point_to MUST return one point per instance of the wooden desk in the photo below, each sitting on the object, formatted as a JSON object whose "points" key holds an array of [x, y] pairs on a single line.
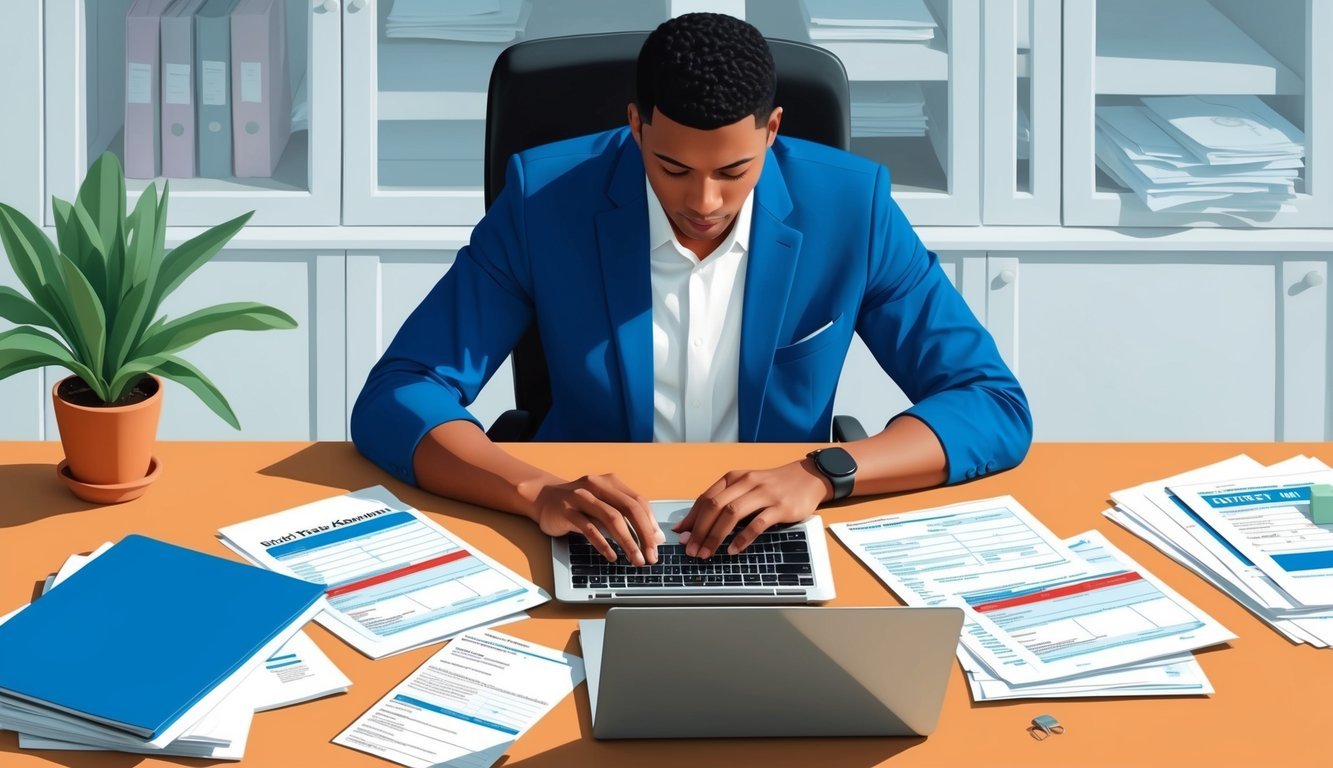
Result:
{"points": [[1271, 706]]}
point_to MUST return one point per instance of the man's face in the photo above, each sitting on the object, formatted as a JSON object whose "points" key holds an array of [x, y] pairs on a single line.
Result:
{"points": [[702, 177]]}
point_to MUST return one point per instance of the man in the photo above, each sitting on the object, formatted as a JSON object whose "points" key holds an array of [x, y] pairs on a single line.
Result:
{"points": [[694, 277]]}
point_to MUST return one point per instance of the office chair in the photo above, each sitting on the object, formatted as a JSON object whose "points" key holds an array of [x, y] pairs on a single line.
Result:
{"points": [[558, 88]]}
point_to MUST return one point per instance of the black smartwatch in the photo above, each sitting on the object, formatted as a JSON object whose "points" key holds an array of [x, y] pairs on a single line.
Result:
{"points": [[839, 467]]}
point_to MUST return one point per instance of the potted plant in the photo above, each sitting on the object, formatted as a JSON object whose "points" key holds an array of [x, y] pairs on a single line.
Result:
{"points": [[92, 308]]}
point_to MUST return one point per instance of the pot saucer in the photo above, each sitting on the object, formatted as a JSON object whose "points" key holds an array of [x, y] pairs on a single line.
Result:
{"points": [[109, 494]]}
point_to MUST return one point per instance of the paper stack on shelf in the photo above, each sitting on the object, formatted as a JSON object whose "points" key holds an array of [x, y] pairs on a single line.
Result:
{"points": [[1210, 154], [395, 579], [1043, 617], [472, 21], [1245, 529], [888, 109], [882, 20], [167, 676]]}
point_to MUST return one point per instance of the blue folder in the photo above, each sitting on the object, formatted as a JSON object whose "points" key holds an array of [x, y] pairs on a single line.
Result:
{"points": [[141, 633]]}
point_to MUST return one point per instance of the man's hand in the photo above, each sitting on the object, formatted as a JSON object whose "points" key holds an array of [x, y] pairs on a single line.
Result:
{"points": [[786, 494], [597, 505]]}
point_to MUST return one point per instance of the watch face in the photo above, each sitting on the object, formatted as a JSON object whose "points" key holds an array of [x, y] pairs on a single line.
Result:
{"points": [[836, 461]]}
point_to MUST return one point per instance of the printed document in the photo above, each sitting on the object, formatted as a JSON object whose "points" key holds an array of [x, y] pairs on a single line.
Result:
{"points": [[1267, 521], [395, 579], [1035, 610], [1169, 676], [467, 703]]}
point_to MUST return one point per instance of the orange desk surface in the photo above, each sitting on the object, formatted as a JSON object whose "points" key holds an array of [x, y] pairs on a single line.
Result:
{"points": [[1274, 700]]}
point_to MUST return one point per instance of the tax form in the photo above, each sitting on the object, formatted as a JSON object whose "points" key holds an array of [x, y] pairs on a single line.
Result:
{"points": [[1035, 610], [395, 579], [467, 703], [1266, 520]]}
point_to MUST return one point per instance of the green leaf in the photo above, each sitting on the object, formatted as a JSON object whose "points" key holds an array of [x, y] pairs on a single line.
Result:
{"points": [[88, 317], [187, 330], [187, 257], [102, 195], [23, 349], [94, 260], [140, 236], [128, 327], [20, 310], [183, 373], [31, 252], [37, 264]]}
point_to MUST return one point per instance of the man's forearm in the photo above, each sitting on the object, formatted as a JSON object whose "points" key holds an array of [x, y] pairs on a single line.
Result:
{"points": [[458, 461], [905, 456]]}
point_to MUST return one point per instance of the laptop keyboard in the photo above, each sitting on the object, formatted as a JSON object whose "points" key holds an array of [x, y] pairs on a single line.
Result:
{"points": [[775, 559]]}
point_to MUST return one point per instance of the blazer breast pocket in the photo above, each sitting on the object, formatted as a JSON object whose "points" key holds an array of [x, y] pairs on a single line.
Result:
{"points": [[812, 342]]}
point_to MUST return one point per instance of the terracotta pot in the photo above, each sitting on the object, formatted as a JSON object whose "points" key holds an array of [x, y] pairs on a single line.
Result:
{"points": [[111, 445]]}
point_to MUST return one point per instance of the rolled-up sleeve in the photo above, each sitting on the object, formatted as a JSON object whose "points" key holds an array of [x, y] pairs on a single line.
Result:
{"points": [[928, 340], [452, 342]]}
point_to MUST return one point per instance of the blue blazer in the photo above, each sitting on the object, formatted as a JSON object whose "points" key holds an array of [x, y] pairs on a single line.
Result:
{"points": [[566, 244]]}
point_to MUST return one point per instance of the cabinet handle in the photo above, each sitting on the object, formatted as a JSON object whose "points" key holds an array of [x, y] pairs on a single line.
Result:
{"points": [[326, 6], [1005, 277], [1313, 279], [355, 5]]}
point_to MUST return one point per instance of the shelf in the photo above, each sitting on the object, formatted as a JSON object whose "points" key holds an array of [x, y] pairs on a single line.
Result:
{"points": [[431, 155], [888, 61], [1151, 47], [943, 239]]}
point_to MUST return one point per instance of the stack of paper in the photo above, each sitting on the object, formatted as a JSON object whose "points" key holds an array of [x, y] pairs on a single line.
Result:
{"points": [[395, 580], [215, 724], [1043, 617], [888, 109], [1245, 529], [1210, 154], [473, 21], [893, 20]]}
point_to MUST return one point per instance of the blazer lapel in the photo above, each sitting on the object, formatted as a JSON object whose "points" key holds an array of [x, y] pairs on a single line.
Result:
{"points": [[622, 244], [774, 248]]}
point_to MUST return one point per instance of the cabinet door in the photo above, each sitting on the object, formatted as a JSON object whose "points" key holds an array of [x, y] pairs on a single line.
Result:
{"points": [[282, 384], [20, 187], [864, 390], [1021, 89], [416, 96], [1216, 77], [383, 287], [915, 87], [97, 73], [1146, 346]]}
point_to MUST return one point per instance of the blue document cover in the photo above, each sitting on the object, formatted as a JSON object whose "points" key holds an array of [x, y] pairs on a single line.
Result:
{"points": [[143, 632]]}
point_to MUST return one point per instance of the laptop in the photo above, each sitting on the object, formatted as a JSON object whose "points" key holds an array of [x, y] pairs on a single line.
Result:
{"points": [[768, 671], [786, 564]]}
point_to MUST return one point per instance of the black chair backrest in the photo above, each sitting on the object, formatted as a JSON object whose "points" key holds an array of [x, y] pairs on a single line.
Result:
{"points": [[561, 87]]}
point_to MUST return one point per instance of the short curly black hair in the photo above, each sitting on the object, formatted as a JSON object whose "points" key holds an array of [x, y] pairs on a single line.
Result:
{"points": [[705, 70]]}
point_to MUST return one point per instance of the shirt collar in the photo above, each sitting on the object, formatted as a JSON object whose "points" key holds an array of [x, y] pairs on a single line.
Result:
{"points": [[660, 232]]}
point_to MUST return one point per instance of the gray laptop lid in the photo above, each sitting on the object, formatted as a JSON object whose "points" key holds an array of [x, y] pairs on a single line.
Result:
{"points": [[769, 671]]}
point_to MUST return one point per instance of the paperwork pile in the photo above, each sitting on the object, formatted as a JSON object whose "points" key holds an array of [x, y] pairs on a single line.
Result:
{"points": [[883, 20], [395, 580], [888, 109], [472, 21], [1247, 530], [1044, 618], [216, 727], [1209, 154]]}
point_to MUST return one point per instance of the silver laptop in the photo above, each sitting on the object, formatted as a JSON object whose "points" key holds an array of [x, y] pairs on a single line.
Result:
{"points": [[783, 565], [768, 671]]}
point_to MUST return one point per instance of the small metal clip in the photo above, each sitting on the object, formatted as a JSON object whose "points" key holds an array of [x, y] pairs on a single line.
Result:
{"points": [[1043, 726]]}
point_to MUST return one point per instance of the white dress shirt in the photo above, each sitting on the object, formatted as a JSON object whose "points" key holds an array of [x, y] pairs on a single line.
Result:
{"points": [[696, 330]]}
